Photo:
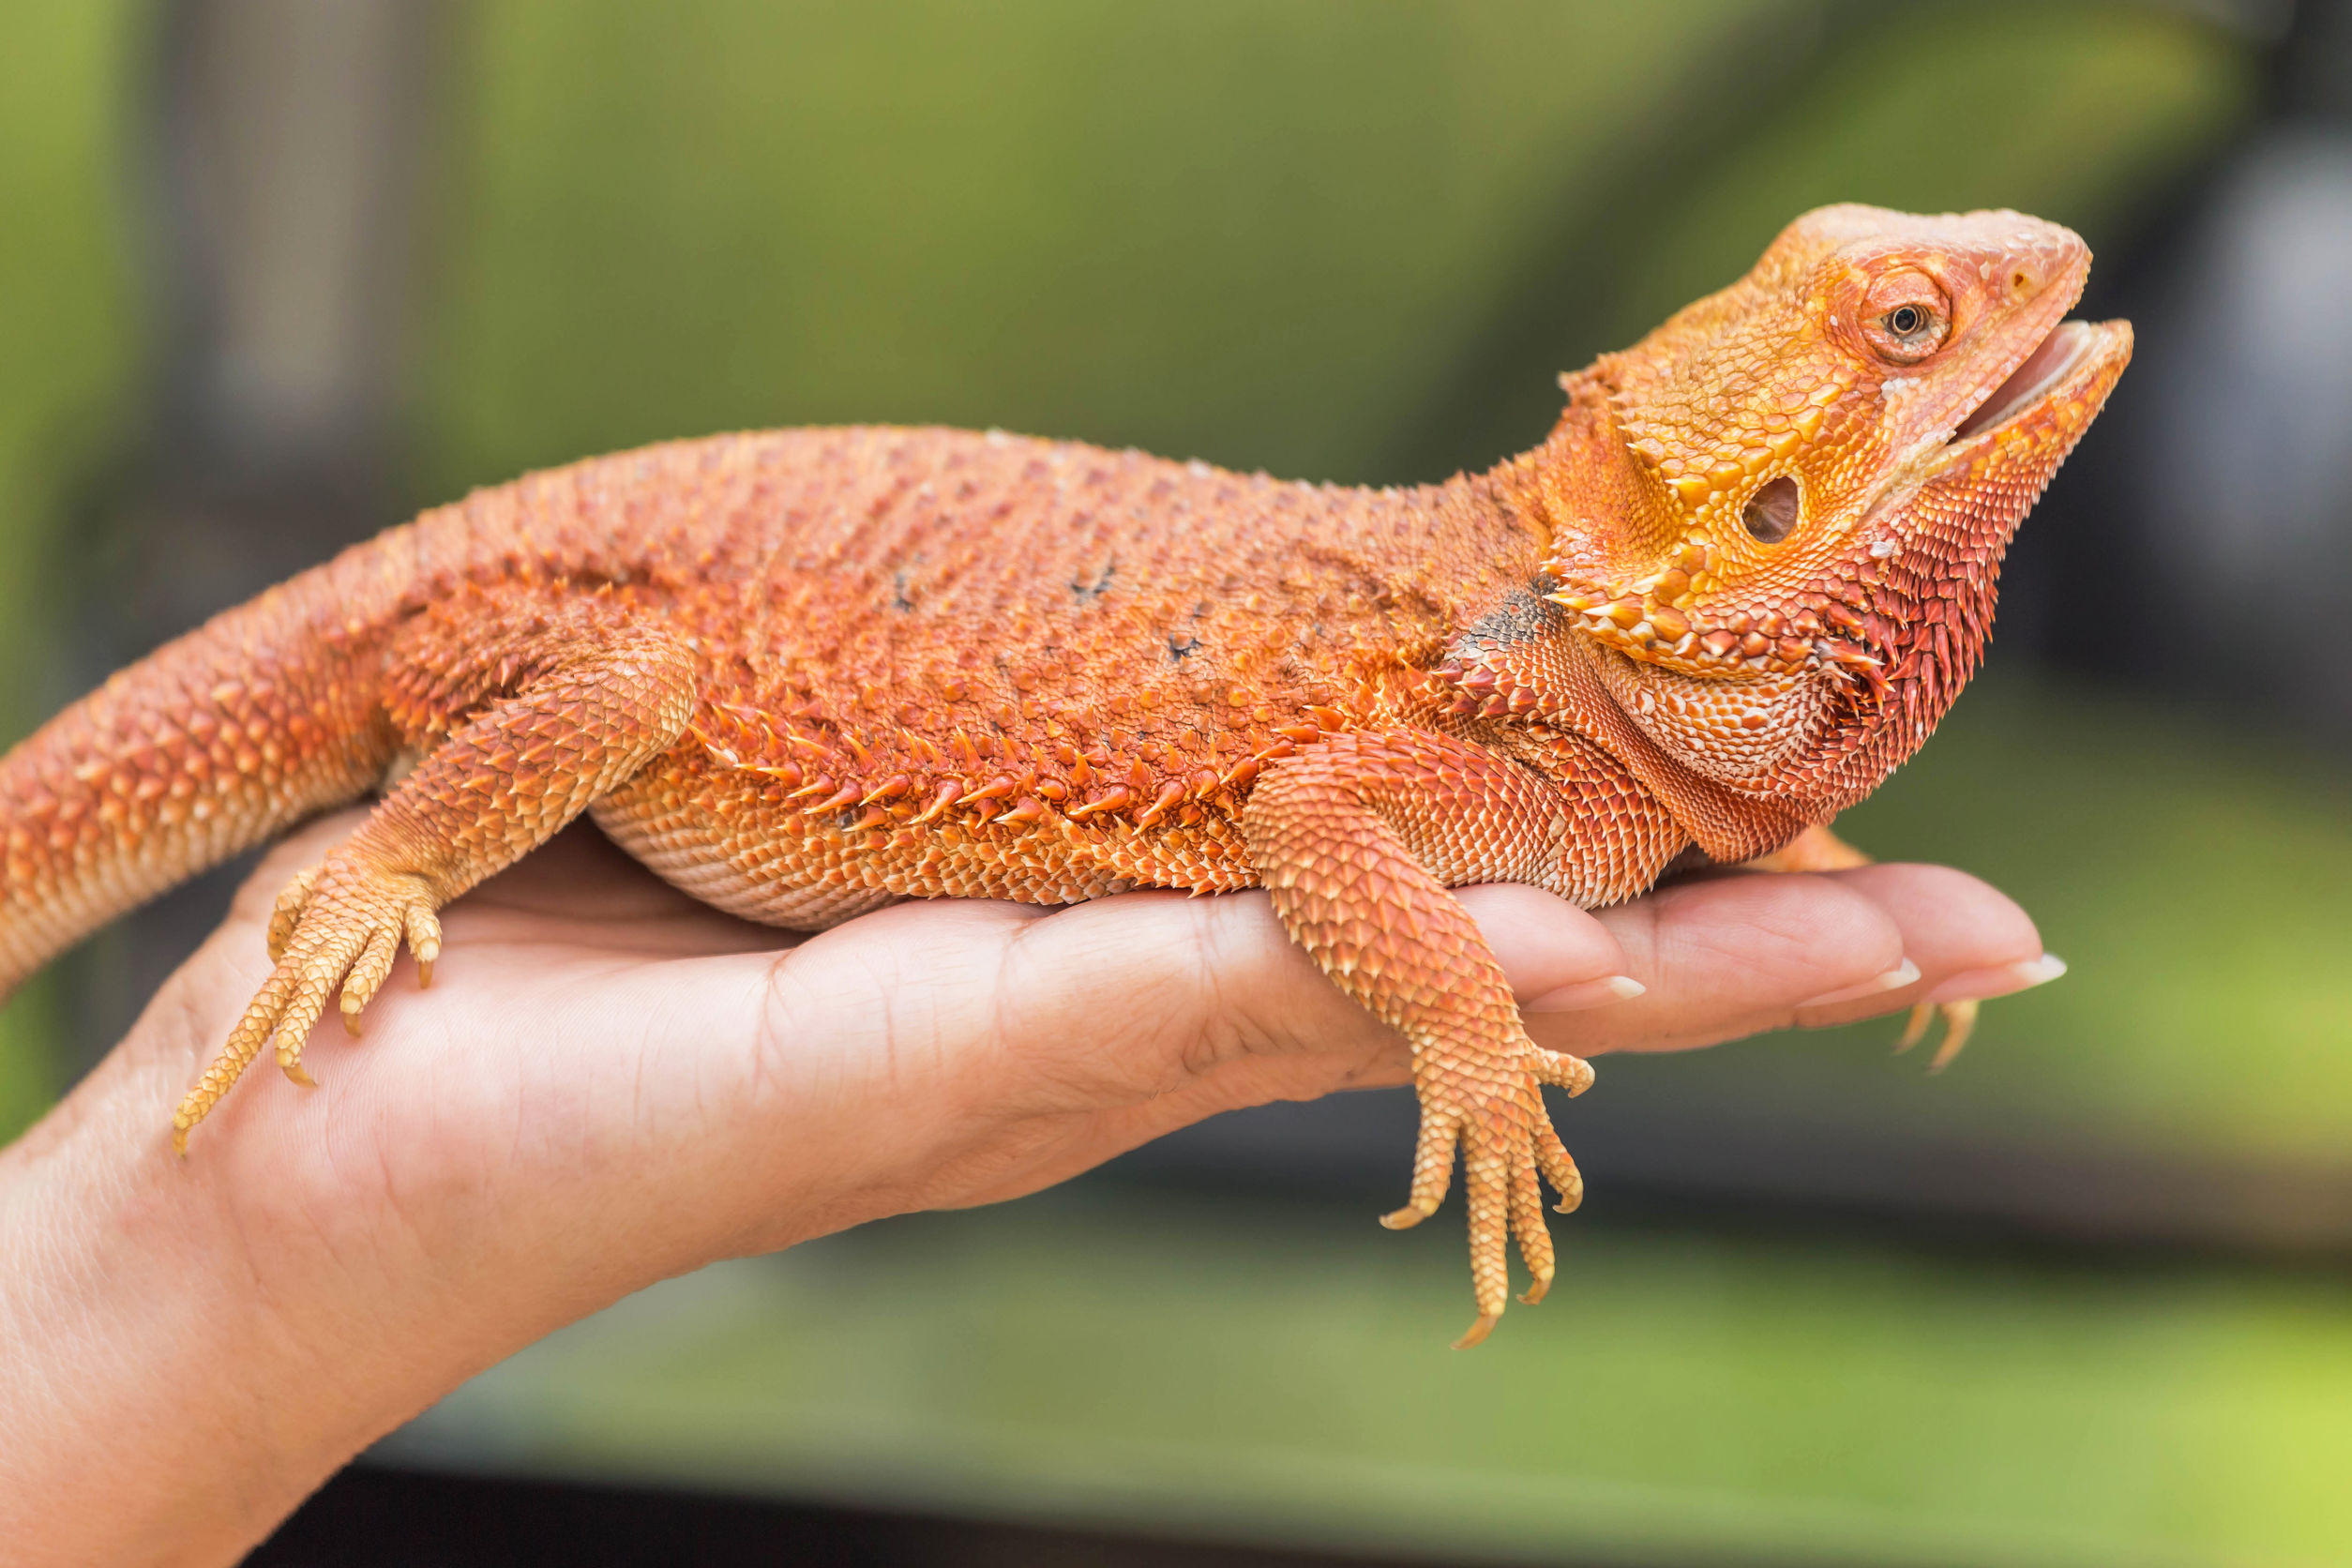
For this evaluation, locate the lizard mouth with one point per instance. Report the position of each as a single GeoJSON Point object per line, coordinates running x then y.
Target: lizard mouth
{"type": "Point", "coordinates": [2048, 401]}
{"type": "Point", "coordinates": [2071, 346]}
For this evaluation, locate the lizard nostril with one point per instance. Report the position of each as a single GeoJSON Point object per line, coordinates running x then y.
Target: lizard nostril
{"type": "Point", "coordinates": [1771, 514]}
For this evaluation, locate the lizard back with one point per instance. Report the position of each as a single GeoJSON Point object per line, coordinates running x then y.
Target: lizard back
{"type": "Point", "coordinates": [946, 662]}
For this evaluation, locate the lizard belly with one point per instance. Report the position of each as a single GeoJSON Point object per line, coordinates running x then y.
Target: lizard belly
{"type": "Point", "coordinates": [726, 835]}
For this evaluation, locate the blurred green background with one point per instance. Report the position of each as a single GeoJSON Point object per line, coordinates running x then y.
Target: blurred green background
{"type": "Point", "coordinates": [2081, 1300]}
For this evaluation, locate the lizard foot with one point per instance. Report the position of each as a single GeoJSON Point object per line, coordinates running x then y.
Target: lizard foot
{"type": "Point", "coordinates": [1959, 1023]}
{"type": "Point", "coordinates": [1493, 1114]}
{"type": "Point", "coordinates": [337, 924]}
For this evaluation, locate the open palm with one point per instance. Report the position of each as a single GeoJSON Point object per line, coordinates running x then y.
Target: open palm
{"type": "Point", "coordinates": [600, 1053]}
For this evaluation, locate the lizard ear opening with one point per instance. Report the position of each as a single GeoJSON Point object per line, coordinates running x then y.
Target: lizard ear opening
{"type": "Point", "coordinates": [1771, 514]}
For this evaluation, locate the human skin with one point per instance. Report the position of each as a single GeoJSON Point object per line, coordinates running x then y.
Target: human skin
{"type": "Point", "coordinates": [610, 1083]}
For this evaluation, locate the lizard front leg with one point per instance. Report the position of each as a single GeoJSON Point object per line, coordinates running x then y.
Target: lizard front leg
{"type": "Point", "coordinates": [526, 712]}
{"type": "Point", "coordinates": [1357, 839]}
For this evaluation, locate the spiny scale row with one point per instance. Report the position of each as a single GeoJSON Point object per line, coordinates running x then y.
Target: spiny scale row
{"type": "Point", "coordinates": [1066, 782]}
{"type": "Point", "coordinates": [1660, 622]}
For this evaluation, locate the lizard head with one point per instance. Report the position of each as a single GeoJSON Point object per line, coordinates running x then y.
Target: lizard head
{"type": "Point", "coordinates": [1788, 557]}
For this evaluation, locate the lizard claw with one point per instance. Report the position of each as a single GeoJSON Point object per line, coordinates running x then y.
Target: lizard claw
{"type": "Point", "coordinates": [1479, 1331]}
{"type": "Point", "coordinates": [1959, 1023]}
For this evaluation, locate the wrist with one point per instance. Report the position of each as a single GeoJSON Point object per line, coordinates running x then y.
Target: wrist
{"type": "Point", "coordinates": [168, 1397]}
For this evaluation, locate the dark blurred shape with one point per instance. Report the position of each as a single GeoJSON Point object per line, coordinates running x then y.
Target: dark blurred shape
{"type": "Point", "coordinates": [1668, 1144]}
{"type": "Point", "coordinates": [281, 151]}
{"type": "Point", "coordinates": [2221, 561]}
{"type": "Point", "coordinates": [2228, 464]}
{"type": "Point", "coordinates": [375, 1519]}
{"type": "Point", "coordinates": [277, 182]}
{"type": "Point", "coordinates": [2245, 479]}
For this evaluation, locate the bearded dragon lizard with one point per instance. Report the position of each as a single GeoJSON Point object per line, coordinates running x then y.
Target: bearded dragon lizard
{"type": "Point", "coordinates": [802, 673]}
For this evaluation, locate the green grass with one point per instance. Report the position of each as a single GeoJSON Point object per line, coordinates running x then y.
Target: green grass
{"type": "Point", "coordinates": [1259, 235]}
{"type": "Point", "coordinates": [1219, 1371]}
{"type": "Point", "coordinates": [67, 342]}
{"type": "Point", "coordinates": [2072, 112]}
{"type": "Point", "coordinates": [1244, 232]}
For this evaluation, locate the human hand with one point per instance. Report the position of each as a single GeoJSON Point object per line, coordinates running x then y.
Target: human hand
{"type": "Point", "coordinates": [610, 1083]}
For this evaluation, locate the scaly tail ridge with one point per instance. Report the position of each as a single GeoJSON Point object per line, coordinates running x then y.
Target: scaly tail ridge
{"type": "Point", "coordinates": [265, 715]}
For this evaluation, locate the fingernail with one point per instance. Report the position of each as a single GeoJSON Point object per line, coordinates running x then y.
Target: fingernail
{"type": "Point", "coordinates": [1903, 974]}
{"type": "Point", "coordinates": [1982, 984]}
{"type": "Point", "coordinates": [1588, 993]}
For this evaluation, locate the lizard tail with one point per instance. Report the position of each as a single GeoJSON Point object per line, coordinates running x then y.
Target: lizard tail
{"type": "Point", "coordinates": [262, 717]}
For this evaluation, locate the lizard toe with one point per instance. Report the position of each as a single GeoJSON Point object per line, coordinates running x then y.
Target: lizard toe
{"type": "Point", "coordinates": [1476, 1334]}
{"type": "Point", "coordinates": [1433, 1169]}
{"type": "Point", "coordinates": [1572, 1072]}
{"type": "Point", "coordinates": [1559, 1167]}
{"type": "Point", "coordinates": [287, 912]}
{"type": "Point", "coordinates": [1497, 1120]}
{"type": "Point", "coordinates": [1527, 1223]}
{"type": "Point", "coordinates": [1486, 1161]}
{"type": "Point", "coordinates": [345, 925]}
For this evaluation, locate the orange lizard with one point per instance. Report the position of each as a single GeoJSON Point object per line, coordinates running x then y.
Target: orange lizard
{"type": "Point", "coordinates": [802, 673]}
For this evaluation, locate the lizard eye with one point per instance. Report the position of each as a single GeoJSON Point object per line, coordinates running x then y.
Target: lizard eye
{"type": "Point", "coordinates": [1908, 332]}
{"type": "Point", "coordinates": [1771, 514]}
{"type": "Point", "coordinates": [1905, 316]}
{"type": "Point", "coordinates": [1908, 328]}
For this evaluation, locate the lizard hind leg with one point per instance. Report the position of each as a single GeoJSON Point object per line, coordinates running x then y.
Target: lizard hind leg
{"type": "Point", "coordinates": [536, 710]}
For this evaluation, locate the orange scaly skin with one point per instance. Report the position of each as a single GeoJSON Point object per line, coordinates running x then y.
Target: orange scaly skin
{"type": "Point", "coordinates": [805, 673]}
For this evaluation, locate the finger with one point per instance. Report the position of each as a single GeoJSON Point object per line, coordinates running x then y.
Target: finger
{"type": "Point", "coordinates": [1729, 957]}
{"type": "Point", "coordinates": [1092, 1029]}
{"type": "Point", "coordinates": [1144, 996]}
{"type": "Point", "coordinates": [1558, 957]}
{"type": "Point", "coordinates": [1954, 928]}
